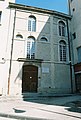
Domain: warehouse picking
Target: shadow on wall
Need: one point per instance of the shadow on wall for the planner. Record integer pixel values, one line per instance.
(42, 48)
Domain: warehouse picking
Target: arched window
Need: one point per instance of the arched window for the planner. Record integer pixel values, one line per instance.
(32, 23)
(62, 50)
(19, 36)
(43, 39)
(61, 28)
(31, 48)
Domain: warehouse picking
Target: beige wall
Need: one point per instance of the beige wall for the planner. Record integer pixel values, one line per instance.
(52, 78)
(5, 44)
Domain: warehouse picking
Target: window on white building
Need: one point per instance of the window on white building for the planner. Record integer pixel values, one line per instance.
(31, 48)
(19, 36)
(62, 51)
(61, 28)
(32, 24)
(79, 54)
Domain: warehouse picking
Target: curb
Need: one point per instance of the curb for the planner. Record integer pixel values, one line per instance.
(20, 117)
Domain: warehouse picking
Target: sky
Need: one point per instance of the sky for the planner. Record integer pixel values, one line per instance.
(57, 5)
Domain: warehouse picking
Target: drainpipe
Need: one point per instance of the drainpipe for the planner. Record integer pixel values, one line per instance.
(70, 57)
(11, 53)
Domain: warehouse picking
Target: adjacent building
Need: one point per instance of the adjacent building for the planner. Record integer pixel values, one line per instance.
(6, 28)
(75, 12)
(36, 50)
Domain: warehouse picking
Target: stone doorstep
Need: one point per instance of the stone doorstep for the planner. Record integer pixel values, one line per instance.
(32, 96)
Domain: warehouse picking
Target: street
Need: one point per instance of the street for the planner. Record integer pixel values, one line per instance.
(41, 108)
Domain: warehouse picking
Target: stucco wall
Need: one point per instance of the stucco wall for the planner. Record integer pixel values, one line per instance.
(53, 75)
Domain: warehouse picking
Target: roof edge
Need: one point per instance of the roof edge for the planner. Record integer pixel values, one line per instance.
(36, 9)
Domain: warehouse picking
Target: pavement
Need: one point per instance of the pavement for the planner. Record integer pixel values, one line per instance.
(41, 108)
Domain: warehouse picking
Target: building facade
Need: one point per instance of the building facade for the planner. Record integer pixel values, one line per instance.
(35, 49)
(5, 35)
(75, 12)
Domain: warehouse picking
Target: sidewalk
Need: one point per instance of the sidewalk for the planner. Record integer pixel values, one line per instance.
(43, 108)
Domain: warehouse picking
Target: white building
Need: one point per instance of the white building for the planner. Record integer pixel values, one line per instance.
(5, 35)
(75, 12)
(35, 50)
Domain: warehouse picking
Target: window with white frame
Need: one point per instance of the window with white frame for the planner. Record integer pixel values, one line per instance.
(62, 51)
(31, 48)
(32, 24)
(61, 28)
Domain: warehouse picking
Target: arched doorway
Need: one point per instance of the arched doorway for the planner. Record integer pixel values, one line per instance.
(29, 78)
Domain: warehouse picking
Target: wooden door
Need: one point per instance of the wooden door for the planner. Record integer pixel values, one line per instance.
(30, 78)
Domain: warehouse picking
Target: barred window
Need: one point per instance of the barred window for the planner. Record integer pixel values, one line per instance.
(32, 23)
(61, 28)
(31, 48)
(62, 50)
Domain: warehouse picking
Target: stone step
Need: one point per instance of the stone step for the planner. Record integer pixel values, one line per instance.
(27, 96)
